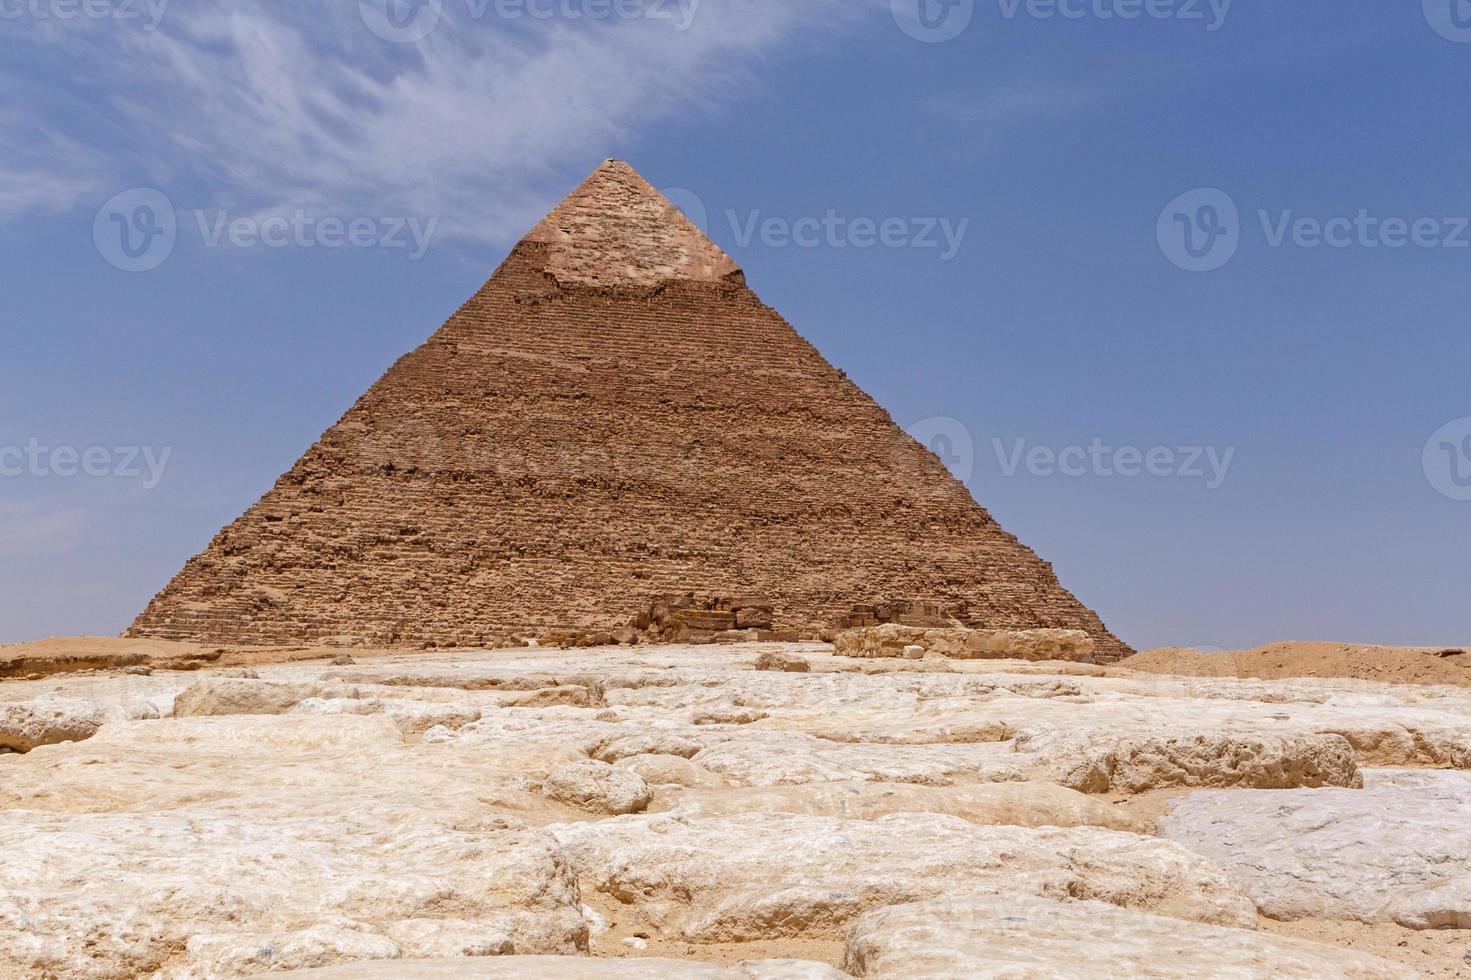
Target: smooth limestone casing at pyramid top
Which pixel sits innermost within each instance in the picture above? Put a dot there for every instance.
(613, 416)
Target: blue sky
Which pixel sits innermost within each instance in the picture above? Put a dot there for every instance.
(1197, 334)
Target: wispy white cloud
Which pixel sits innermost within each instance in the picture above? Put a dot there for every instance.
(259, 105)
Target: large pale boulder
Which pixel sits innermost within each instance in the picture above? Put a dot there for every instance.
(1398, 850)
(244, 696)
(1040, 939)
(51, 720)
(1123, 763)
(761, 876)
(645, 743)
(598, 788)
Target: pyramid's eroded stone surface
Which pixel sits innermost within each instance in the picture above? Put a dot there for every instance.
(612, 417)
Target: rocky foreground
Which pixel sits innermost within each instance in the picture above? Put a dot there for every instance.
(762, 811)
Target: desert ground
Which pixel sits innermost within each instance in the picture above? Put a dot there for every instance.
(758, 810)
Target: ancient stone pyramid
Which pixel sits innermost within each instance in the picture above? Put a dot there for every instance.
(613, 416)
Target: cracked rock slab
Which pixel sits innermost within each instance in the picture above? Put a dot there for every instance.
(759, 876)
(1016, 804)
(1398, 850)
(572, 968)
(1040, 939)
(52, 720)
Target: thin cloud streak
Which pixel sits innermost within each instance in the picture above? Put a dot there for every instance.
(256, 108)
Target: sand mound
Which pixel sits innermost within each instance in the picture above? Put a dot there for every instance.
(1395, 665)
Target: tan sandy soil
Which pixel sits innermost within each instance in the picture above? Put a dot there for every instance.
(71, 654)
(1276, 661)
(1434, 952)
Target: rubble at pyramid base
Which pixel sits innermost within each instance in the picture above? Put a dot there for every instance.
(732, 811)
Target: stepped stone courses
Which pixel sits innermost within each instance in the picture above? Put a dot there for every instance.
(614, 416)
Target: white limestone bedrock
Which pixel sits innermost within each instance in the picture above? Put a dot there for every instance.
(570, 968)
(329, 770)
(1398, 850)
(1040, 939)
(735, 879)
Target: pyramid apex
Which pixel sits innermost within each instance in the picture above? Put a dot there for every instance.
(615, 229)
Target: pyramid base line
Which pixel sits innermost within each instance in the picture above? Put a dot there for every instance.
(896, 628)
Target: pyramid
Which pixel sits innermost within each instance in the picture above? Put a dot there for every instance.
(612, 417)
